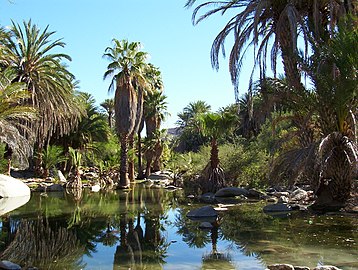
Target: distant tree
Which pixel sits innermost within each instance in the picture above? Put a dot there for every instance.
(108, 105)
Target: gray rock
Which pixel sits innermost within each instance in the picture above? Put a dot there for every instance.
(205, 211)
(253, 193)
(278, 207)
(9, 265)
(272, 200)
(55, 188)
(298, 195)
(206, 225)
(326, 267)
(283, 199)
(207, 197)
(61, 177)
(282, 193)
(280, 267)
(231, 192)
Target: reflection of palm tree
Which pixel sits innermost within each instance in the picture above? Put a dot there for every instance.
(45, 247)
(108, 237)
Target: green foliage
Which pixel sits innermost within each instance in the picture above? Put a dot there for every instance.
(75, 157)
(51, 156)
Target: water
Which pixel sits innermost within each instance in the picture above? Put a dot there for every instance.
(148, 229)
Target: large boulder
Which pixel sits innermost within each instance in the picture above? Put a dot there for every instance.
(11, 187)
(231, 192)
(9, 204)
(299, 195)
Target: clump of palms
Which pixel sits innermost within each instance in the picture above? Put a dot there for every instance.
(126, 71)
(214, 126)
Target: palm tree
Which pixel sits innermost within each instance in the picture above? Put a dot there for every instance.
(262, 23)
(30, 53)
(126, 71)
(13, 114)
(215, 125)
(155, 107)
(191, 135)
(108, 105)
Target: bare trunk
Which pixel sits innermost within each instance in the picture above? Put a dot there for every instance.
(131, 172)
(140, 169)
(123, 176)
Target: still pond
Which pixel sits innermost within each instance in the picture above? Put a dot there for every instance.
(148, 229)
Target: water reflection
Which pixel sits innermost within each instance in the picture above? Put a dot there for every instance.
(148, 229)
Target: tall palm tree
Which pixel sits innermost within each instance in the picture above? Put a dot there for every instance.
(108, 105)
(13, 114)
(126, 72)
(31, 53)
(155, 85)
(262, 23)
(155, 107)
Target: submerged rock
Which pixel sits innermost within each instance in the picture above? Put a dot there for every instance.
(203, 212)
(232, 192)
(278, 207)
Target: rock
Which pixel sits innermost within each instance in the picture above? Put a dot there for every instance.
(207, 197)
(298, 195)
(170, 187)
(206, 225)
(95, 188)
(11, 187)
(272, 200)
(190, 196)
(156, 176)
(280, 267)
(9, 265)
(231, 192)
(278, 207)
(61, 177)
(283, 199)
(301, 268)
(55, 188)
(253, 193)
(326, 267)
(9, 204)
(90, 175)
(279, 194)
(202, 212)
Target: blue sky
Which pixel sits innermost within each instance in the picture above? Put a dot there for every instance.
(164, 27)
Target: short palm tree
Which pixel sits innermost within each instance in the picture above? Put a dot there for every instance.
(108, 105)
(126, 72)
(13, 116)
(30, 52)
(215, 125)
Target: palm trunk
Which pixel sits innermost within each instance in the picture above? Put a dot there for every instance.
(140, 169)
(214, 154)
(123, 176)
(131, 172)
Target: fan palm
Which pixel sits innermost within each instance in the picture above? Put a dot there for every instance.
(108, 105)
(155, 108)
(126, 73)
(264, 23)
(215, 125)
(30, 52)
(13, 115)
